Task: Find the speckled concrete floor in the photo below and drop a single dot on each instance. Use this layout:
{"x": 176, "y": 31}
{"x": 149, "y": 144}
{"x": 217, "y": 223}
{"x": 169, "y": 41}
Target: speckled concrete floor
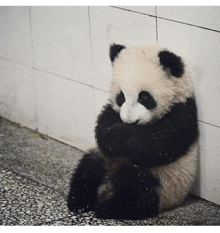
{"x": 34, "y": 181}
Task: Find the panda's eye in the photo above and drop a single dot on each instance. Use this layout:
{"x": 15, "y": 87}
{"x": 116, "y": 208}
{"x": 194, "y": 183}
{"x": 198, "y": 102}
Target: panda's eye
{"x": 147, "y": 100}
{"x": 120, "y": 99}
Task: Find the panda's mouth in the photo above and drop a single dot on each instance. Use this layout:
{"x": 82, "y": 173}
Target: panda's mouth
{"x": 132, "y": 123}
{"x": 136, "y": 122}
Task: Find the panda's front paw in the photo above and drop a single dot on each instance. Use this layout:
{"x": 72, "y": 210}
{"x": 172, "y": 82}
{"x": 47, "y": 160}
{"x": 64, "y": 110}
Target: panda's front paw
{"x": 115, "y": 140}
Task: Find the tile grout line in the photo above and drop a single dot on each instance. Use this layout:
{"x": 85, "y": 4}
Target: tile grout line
{"x": 33, "y": 65}
{"x": 57, "y": 75}
{"x": 216, "y": 126}
{"x": 43, "y": 136}
{"x": 172, "y": 20}
{"x": 156, "y": 24}
{"x": 90, "y": 40}
{"x": 141, "y": 13}
{"x": 90, "y": 35}
{"x": 192, "y": 25}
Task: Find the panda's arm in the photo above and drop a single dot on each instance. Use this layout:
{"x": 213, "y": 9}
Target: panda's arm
{"x": 170, "y": 137}
{"x": 111, "y": 133}
{"x": 160, "y": 143}
{"x": 107, "y": 118}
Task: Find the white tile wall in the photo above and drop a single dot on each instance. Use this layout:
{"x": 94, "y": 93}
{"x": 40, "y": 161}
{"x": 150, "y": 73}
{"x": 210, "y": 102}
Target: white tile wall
{"x": 100, "y": 99}
{"x": 204, "y": 16}
{"x": 65, "y": 110}
{"x": 17, "y": 100}
{"x": 61, "y": 41}
{"x": 15, "y": 34}
{"x": 209, "y": 181}
{"x": 110, "y": 25}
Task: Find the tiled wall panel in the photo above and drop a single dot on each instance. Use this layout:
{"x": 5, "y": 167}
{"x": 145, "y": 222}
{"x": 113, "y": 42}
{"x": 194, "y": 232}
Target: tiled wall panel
{"x": 17, "y": 96}
{"x": 65, "y": 110}
{"x": 61, "y": 43}
{"x": 208, "y": 182}
{"x": 111, "y": 25}
{"x": 15, "y": 34}
{"x": 100, "y": 99}
{"x": 203, "y": 16}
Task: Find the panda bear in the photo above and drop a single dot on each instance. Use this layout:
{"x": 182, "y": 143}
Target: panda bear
{"x": 147, "y": 139}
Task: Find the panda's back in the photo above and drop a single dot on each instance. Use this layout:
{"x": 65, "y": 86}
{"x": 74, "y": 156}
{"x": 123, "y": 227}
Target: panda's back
{"x": 176, "y": 179}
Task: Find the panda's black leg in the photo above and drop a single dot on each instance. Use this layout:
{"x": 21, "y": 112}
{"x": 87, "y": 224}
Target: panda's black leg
{"x": 84, "y": 183}
{"x": 135, "y": 196}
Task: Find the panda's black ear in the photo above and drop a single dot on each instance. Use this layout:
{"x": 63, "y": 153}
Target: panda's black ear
{"x": 171, "y": 62}
{"x": 115, "y": 49}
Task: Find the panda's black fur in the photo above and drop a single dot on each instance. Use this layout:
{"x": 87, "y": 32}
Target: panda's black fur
{"x": 114, "y": 51}
{"x": 124, "y": 177}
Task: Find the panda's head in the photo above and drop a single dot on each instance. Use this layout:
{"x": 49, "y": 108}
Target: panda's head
{"x": 147, "y": 81}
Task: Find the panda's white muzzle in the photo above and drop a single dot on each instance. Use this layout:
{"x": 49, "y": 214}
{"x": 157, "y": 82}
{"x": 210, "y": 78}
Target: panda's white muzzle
{"x": 134, "y": 112}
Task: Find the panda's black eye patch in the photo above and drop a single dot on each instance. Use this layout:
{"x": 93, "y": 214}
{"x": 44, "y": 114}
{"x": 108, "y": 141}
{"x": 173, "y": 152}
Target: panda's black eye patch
{"x": 147, "y": 100}
{"x": 120, "y": 99}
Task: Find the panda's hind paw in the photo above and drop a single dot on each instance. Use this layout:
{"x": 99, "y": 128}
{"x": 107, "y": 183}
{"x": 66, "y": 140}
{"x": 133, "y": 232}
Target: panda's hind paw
{"x": 105, "y": 210}
{"x": 77, "y": 205}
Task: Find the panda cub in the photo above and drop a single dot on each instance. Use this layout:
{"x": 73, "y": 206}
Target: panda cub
{"x": 147, "y": 137}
